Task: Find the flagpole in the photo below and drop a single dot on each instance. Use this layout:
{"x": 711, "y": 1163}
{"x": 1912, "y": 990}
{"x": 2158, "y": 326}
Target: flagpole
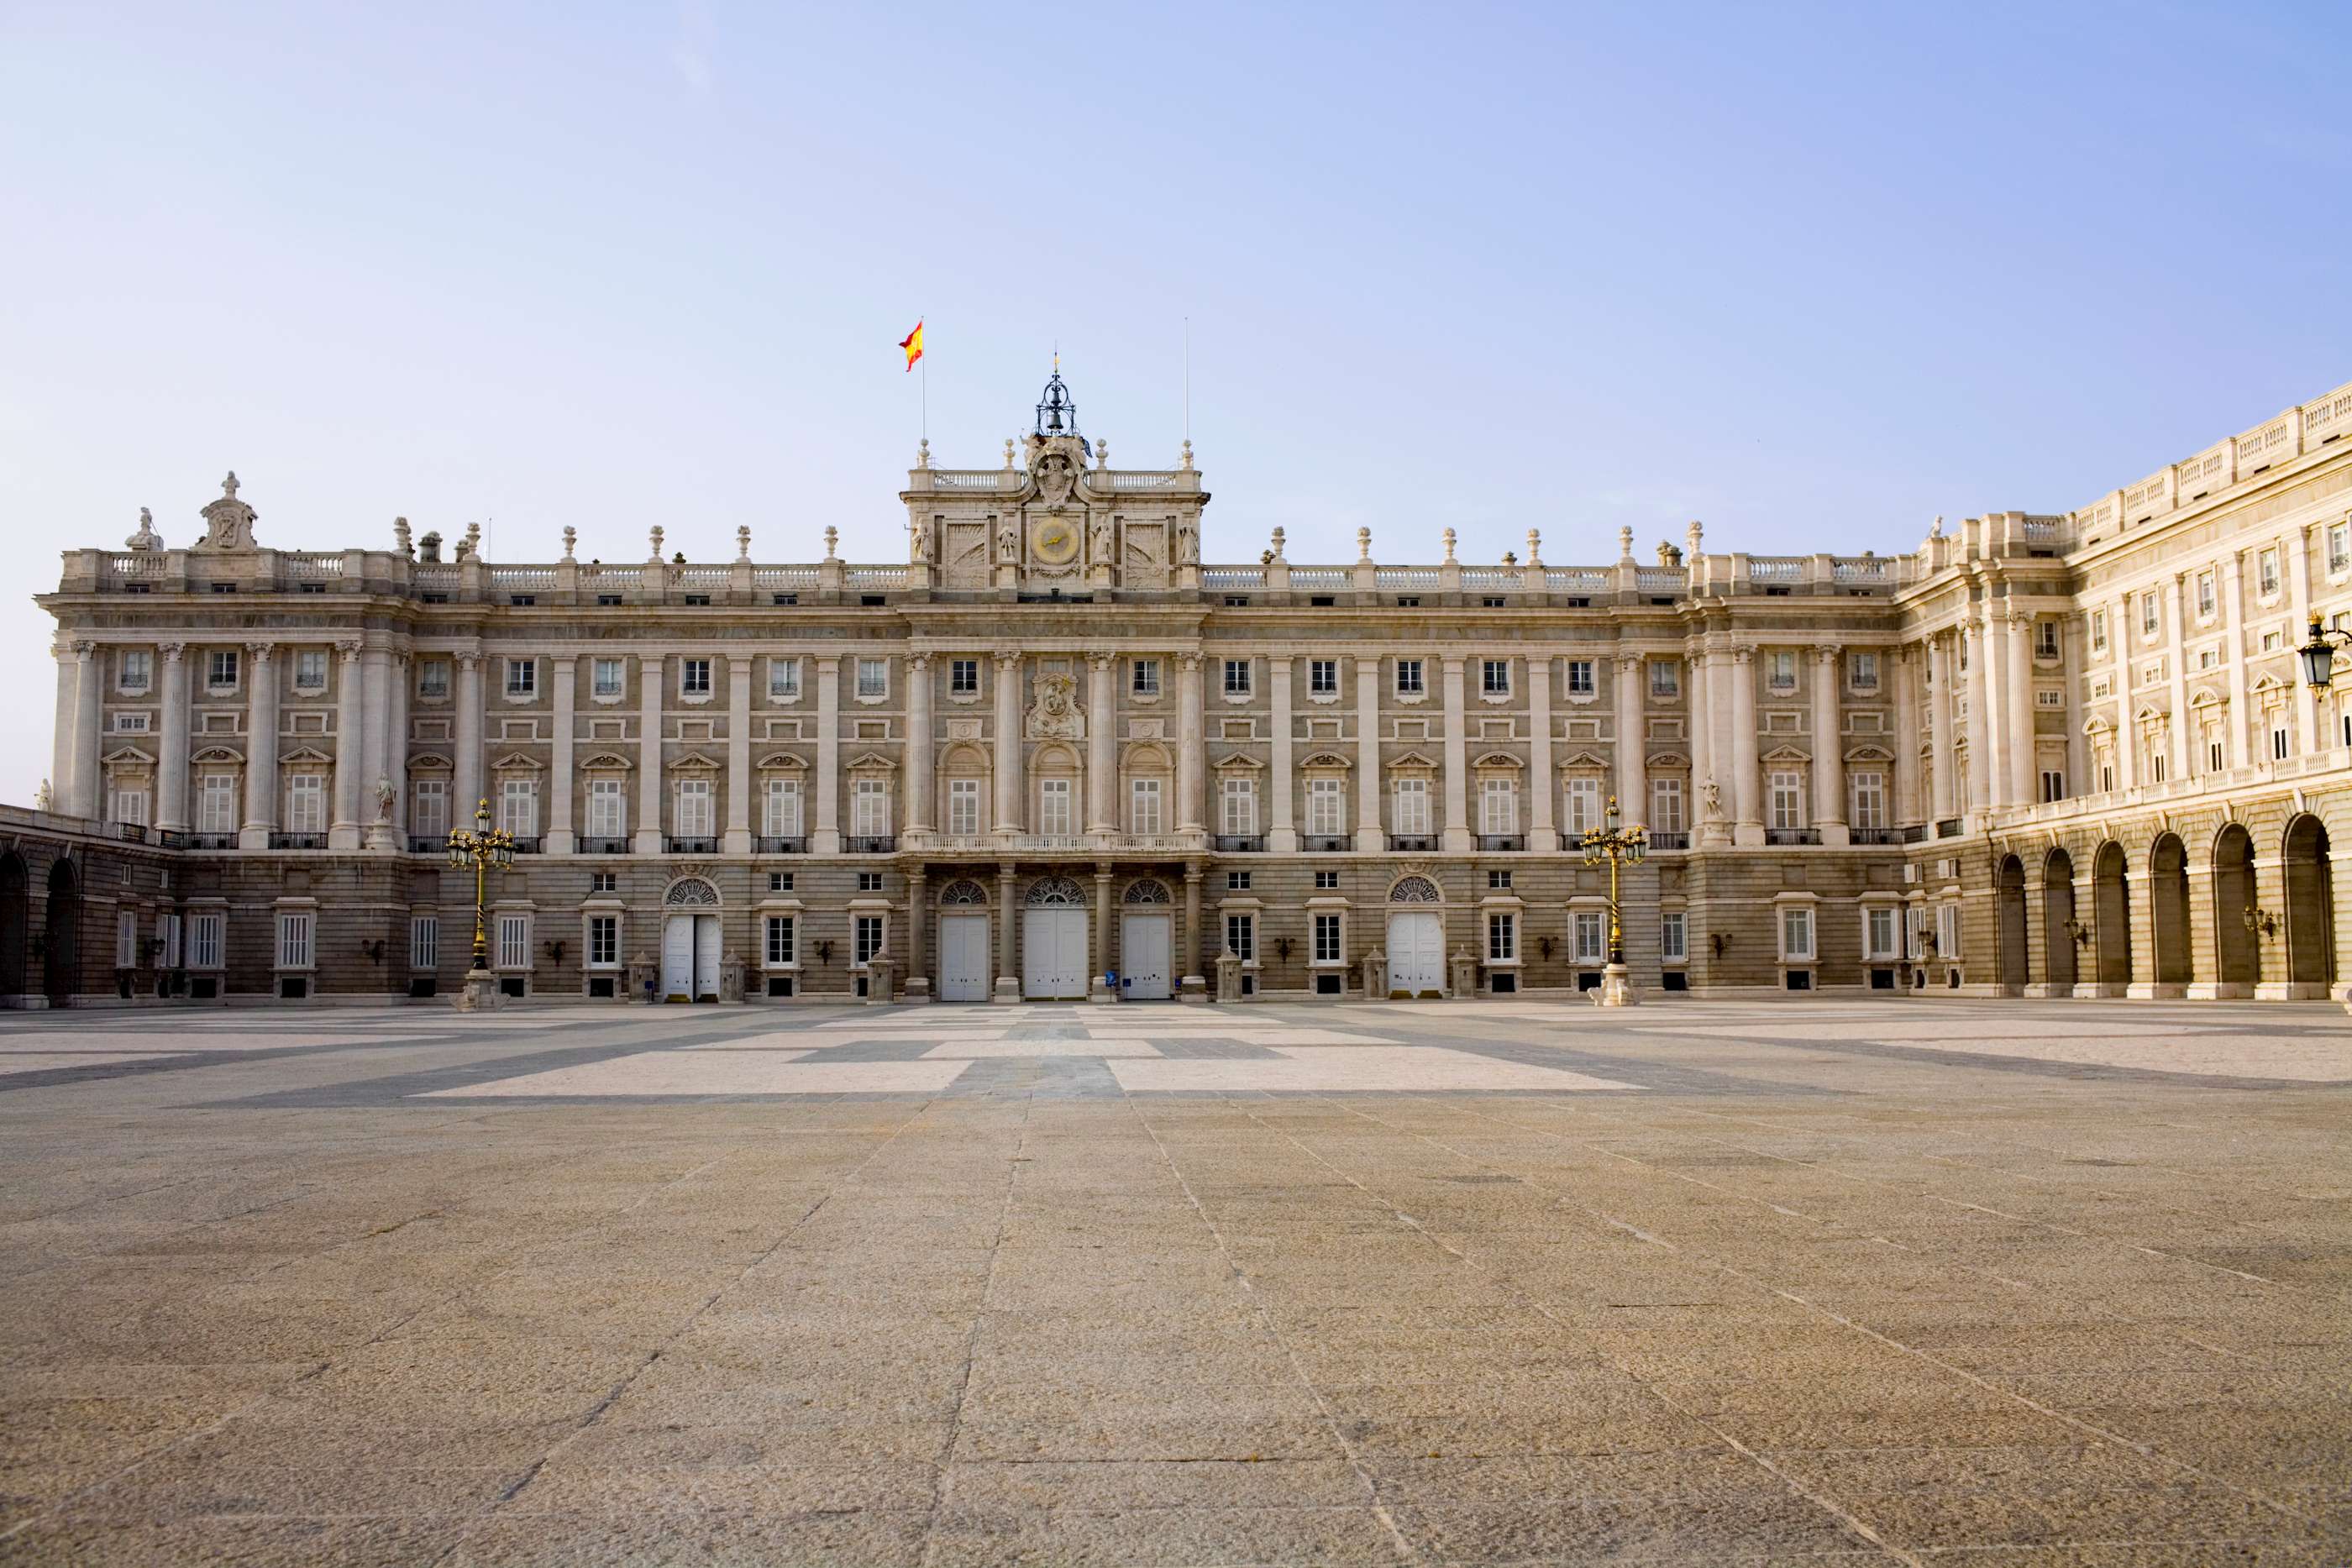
{"x": 926, "y": 387}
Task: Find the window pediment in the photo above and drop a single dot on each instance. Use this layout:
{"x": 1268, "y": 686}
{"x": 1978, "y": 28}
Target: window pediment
{"x": 693, "y": 762}
{"x": 1499, "y": 760}
{"x": 517, "y": 762}
{"x": 222, "y": 756}
{"x": 1591, "y": 760}
{"x": 1234, "y": 760}
{"x": 872, "y": 762}
{"x": 1786, "y": 754}
{"x": 1412, "y": 760}
{"x": 304, "y": 753}
{"x": 606, "y": 762}
{"x": 127, "y": 757}
{"x": 783, "y": 761}
{"x": 422, "y": 762}
{"x": 1669, "y": 759}
{"x": 1325, "y": 762}
{"x": 1870, "y": 754}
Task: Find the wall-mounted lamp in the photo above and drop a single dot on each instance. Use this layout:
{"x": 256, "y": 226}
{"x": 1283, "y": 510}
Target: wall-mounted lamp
{"x": 2260, "y": 923}
{"x": 1719, "y": 941}
{"x": 373, "y": 951}
{"x": 1543, "y": 946}
{"x": 1282, "y": 948}
{"x": 825, "y": 952}
{"x": 556, "y": 951}
{"x": 2078, "y": 933}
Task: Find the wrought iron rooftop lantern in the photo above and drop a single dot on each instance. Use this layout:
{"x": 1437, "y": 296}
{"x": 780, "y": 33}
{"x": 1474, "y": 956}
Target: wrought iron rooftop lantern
{"x": 1057, "y": 411}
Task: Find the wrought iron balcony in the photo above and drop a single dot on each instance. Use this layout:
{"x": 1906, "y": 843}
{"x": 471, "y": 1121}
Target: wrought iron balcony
{"x": 1413, "y": 844}
{"x": 297, "y": 840}
{"x": 1670, "y": 841}
{"x": 211, "y": 841}
{"x": 1949, "y": 827}
{"x": 604, "y": 846}
{"x": 132, "y": 832}
{"x": 427, "y": 843}
{"x": 1792, "y": 835}
{"x": 1879, "y": 836}
{"x": 1328, "y": 844}
{"x": 677, "y": 846}
{"x": 528, "y": 846}
{"x": 874, "y": 845}
{"x": 1238, "y": 843}
{"x": 1492, "y": 844}
{"x": 774, "y": 845}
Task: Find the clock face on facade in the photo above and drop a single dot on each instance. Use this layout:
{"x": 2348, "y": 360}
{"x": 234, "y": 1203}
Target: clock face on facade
{"x": 1053, "y": 542}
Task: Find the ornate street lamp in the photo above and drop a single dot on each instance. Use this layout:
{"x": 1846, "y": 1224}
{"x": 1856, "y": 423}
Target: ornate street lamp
{"x": 2318, "y": 655}
{"x": 484, "y": 848}
{"x": 1615, "y": 845}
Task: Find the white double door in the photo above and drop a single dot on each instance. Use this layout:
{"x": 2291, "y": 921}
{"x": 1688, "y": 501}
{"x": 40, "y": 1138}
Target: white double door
{"x": 690, "y": 957}
{"x": 1143, "y": 954}
{"x": 963, "y": 959}
{"x": 1416, "y": 952}
{"x": 1054, "y": 954}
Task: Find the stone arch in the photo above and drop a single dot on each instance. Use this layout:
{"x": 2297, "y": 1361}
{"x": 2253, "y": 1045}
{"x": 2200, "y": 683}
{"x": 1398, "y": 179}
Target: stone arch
{"x": 1147, "y": 890}
{"x": 692, "y": 892}
{"x": 2310, "y": 897}
{"x": 2058, "y": 920}
{"x": 963, "y": 890}
{"x": 1414, "y": 888}
{"x": 2237, "y": 952}
{"x": 2111, "y": 916}
{"x": 2168, "y": 890}
{"x": 61, "y": 961}
{"x": 16, "y": 921}
{"x": 1056, "y": 893}
{"x": 2009, "y": 904}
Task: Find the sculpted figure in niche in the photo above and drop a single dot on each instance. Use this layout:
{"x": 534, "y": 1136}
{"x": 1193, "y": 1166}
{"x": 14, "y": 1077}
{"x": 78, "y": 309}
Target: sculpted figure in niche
{"x": 1187, "y": 542}
{"x": 1101, "y": 539}
{"x": 1054, "y": 480}
{"x": 1056, "y": 714}
{"x": 1008, "y": 542}
{"x": 1714, "y": 795}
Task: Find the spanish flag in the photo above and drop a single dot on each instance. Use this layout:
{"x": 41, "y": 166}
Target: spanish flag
{"x": 913, "y": 343}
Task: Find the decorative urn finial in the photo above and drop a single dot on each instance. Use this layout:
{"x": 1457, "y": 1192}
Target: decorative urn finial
{"x": 831, "y": 542}
{"x": 1535, "y": 547}
{"x": 400, "y": 540}
{"x": 655, "y": 535}
{"x": 1449, "y": 544}
{"x": 1363, "y": 544}
{"x": 742, "y": 541}
{"x": 571, "y": 537}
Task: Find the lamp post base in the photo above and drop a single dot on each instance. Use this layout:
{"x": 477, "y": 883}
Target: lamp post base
{"x": 1616, "y": 989}
{"x": 479, "y": 993}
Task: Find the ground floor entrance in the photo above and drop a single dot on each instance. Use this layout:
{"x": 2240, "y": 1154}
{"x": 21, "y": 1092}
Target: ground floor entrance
{"x": 690, "y": 958}
{"x": 1054, "y": 954}
{"x": 963, "y": 959}
{"x": 1416, "y": 953}
{"x": 1143, "y": 954}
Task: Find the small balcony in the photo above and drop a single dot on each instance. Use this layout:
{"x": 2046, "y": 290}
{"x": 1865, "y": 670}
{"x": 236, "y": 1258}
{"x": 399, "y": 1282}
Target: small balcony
{"x": 1792, "y": 835}
{"x": 1413, "y": 844}
{"x": 775, "y": 845}
{"x": 527, "y": 846}
{"x": 427, "y": 843}
{"x": 1949, "y": 827}
{"x": 603, "y": 846}
{"x": 1662, "y": 841}
{"x": 1878, "y": 836}
{"x": 131, "y": 833}
{"x": 874, "y": 845}
{"x": 1326, "y": 843}
{"x": 677, "y": 846}
{"x": 297, "y": 840}
{"x": 1501, "y": 843}
{"x": 211, "y": 841}
{"x": 1238, "y": 843}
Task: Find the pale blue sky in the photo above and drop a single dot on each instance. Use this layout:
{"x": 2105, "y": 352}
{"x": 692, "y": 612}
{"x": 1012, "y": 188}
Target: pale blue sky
{"x": 1814, "y": 276}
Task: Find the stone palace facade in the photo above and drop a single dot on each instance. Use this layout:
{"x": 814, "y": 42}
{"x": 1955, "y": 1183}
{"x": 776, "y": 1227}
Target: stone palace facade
{"x": 2044, "y": 754}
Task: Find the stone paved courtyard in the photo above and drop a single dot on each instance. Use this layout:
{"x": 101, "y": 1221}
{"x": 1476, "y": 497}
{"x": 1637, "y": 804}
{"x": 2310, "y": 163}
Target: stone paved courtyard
{"x": 1929, "y": 1282}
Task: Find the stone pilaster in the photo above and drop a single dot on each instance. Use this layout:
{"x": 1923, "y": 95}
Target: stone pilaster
{"x": 919, "y": 752}
{"x": 172, "y": 759}
{"x": 1747, "y": 783}
{"x": 1102, "y": 743}
{"x": 1457, "y": 838}
{"x": 1191, "y": 746}
{"x": 1369, "y": 782}
{"x": 561, "y": 838}
{"x": 652, "y": 678}
{"x": 826, "y": 837}
{"x": 1901, "y": 668}
{"x": 1828, "y": 755}
{"x": 260, "y": 748}
{"x": 466, "y": 741}
{"x": 1009, "y": 815}
{"x": 375, "y": 744}
{"x": 1281, "y": 824}
{"x": 738, "y": 840}
{"x": 1632, "y": 760}
{"x": 351, "y": 748}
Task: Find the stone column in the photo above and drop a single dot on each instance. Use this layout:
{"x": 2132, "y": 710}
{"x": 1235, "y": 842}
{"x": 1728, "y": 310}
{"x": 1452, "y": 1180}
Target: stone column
{"x": 1829, "y": 751}
{"x": 1695, "y": 729}
{"x": 1191, "y": 745}
{"x": 2119, "y": 634}
{"x": 1948, "y": 801}
{"x": 1632, "y": 757}
{"x": 1748, "y": 782}
{"x": 89, "y": 731}
{"x": 1723, "y": 673}
{"x": 2234, "y": 752}
{"x": 1102, "y": 743}
{"x": 465, "y": 733}
{"x": 917, "y": 987}
{"x": 375, "y": 673}
{"x": 1008, "y": 741}
{"x": 61, "y": 743}
{"x": 2176, "y": 651}
{"x": 1977, "y": 794}
{"x": 395, "y": 747}
{"x": 1193, "y": 988}
{"x": 1992, "y": 682}
{"x": 1095, "y": 990}
{"x": 919, "y": 748}
{"x": 1457, "y": 839}
{"x": 1367, "y": 753}
{"x": 738, "y": 840}
{"x": 1008, "y": 979}
{"x": 1543, "y": 785}
{"x": 826, "y": 837}
{"x": 2295, "y": 544}
{"x": 653, "y": 676}
{"x": 561, "y": 838}
{"x": 351, "y": 749}
{"x": 2024, "y": 754}
{"x": 1901, "y": 667}
{"x": 260, "y": 748}
{"x": 1281, "y": 826}
{"x": 2070, "y": 653}
{"x": 172, "y": 759}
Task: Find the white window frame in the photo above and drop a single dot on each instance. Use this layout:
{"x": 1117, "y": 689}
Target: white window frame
{"x": 128, "y": 660}
{"x": 1588, "y": 931}
{"x": 1144, "y": 817}
{"x": 519, "y": 807}
{"x": 696, "y": 811}
{"x": 1326, "y": 935}
{"x": 1796, "y": 927}
{"x": 511, "y": 941}
{"x": 1323, "y": 678}
{"x": 1056, "y": 809}
{"x": 780, "y": 809}
{"x": 1580, "y": 805}
{"x": 1498, "y": 806}
{"x": 1143, "y": 677}
{"x": 1241, "y": 935}
{"x": 1665, "y": 677}
{"x": 221, "y": 670}
{"x": 126, "y": 938}
{"x": 206, "y": 929}
{"x": 1502, "y": 936}
{"x": 694, "y": 679}
{"x": 783, "y": 680}
{"x": 608, "y": 808}
{"x": 872, "y": 678}
{"x": 1238, "y": 678}
{"x": 1674, "y": 937}
{"x": 1583, "y": 678}
{"x": 428, "y": 808}
{"x": 869, "y": 808}
{"x": 216, "y": 804}
{"x": 1409, "y": 807}
{"x": 1785, "y": 788}
{"x": 869, "y": 937}
{"x": 779, "y": 941}
{"x": 306, "y": 802}
{"x": 1667, "y": 806}
{"x": 1867, "y": 789}
{"x": 424, "y": 942}
{"x": 295, "y": 931}
{"x": 1494, "y": 677}
{"x": 309, "y": 669}
{"x": 1411, "y": 678}
{"x": 1237, "y": 810}
{"x": 964, "y": 807}
{"x": 1327, "y": 807}
{"x": 602, "y": 938}
{"x": 1875, "y": 949}
{"x": 522, "y": 679}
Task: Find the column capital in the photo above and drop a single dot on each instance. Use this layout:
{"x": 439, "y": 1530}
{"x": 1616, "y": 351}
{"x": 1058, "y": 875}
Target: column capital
{"x": 1004, "y": 656}
{"x": 1826, "y": 653}
{"x": 261, "y": 651}
{"x": 823, "y": 660}
{"x": 737, "y": 663}
{"x": 1743, "y": 653}
{"x": 171, "y": 651}
{"x": 83, "y": 647}
{"x": 1453, "y": 660}
{"x": 469, "y": 661}
{"x": 1100, "y": 659}
{"x": 350, "y": 649}
{"x": 1189, "y": 660}
{"x": 1624, "y": 660}
{"x": 917, "y": 660}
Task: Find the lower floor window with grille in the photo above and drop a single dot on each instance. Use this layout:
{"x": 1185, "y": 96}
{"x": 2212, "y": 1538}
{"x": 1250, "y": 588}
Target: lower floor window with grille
{"x": 603, "y": 941}
{"x": 126, "y": 938}
{"x": 1326, "y": 939}
{"x": 868, "y": 937}
{"x": 294, "y": 939}
{"x": 1502, "y": 939}
{"x": 1878, "y": 927}
{"x": 1947, "y": 932}
{"x": 1796, "y": 934}
{"x": 424, "y": 941}
{"x": 1591, "y": 927}
{"x": 1674, "y": 942}
{"x": 780, "y": 939}
{"x": 514, "y": 942}
{"x": 1241, "y": 937}
{"x": 167, "y": 939}
{"x": 2053, "y": 780}
{"x": 205, "y": 940}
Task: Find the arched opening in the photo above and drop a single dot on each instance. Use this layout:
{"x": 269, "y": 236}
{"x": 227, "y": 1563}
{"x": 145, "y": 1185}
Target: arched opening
{"x": 2009, "y": 901}
{"x": 2310, "y": 908}
{"x": 2168, "y": 868}
{"x": 61, "y": 962}
{"x": 2058, "y": 921}
{"x": 2111, "y": 918}
{"x": 16, "y": 921}
{"x": 2237, "y": 949}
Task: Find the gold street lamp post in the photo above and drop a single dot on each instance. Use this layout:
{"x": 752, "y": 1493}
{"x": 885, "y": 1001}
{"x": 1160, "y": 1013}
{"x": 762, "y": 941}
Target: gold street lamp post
{"x": 1615, "y": 845}
{"x": 484, "y": 848}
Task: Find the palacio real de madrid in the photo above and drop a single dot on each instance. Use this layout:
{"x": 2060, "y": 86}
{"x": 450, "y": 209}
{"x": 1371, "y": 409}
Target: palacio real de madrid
{"x": 1051, "y": 753}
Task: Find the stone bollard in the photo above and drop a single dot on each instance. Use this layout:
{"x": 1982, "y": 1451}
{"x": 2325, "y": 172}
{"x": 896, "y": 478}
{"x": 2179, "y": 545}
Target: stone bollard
{"x": 880, "y": 971}
{"x": 1376, "y": 974}
{"x": 1466, "y": 973}
{"x": 1229, "y": 976}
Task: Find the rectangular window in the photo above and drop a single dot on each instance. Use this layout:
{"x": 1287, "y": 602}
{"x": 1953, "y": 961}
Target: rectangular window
{"x": 780, "y": 947}
{"x": 604, "y": 677}
{"x": 1797, "y": 933}
{"x": 604, "y": 882}
{"x": 1780, "y": 668}
{"x": 138, "y": 670}
{"x": 220, "y": 669}
{"x": 1241, "y": 937}
{"x": 1499, "y": 882}
{"x": 1581, "y": 680}
{"x": 433, "y": 678}
{"x": 869, "y": 808}
{"x": 513, "y": 941}
{"x": 1878, "y": 931}
{"x": 1323, "y": 678}
{"x": 1237, "y": 677}
{"x": 873, "y": 677}
{"x": 781, "y": 813}
{"x": 964, "y": 677}
{"x": 1665, "y": 678}
{"x": 310, "y": 670}
{"x": 1326, "y": 880}
{"x": 1863, "y": 671}
{"x": 694, "y": 677}
{"x": 1326, "y": 807}
{"x": 306, "y": 803}
{"x": 1327, "y": 939}
{"x": 518, "y": 808}
{"x": 2099, "y": 630}
{"x": 1144, "y": 677}
{"x": 126, "y": 938}
{"x": 2053, "y": 780}
{"x": 1144, "y": 807}
{"x": 1589, "y": 929}
{"x": 1584, "y": 805}
{"x": 1502, "y": 939}
{"x": 205, "y": 939}
{"x": 294, "y": 938}
{"x": 1409, "y": 683}
{"x": 2205, "y": 598}
{"x": 867, "y": 937}
{"x": 167, "y": 934}
{"x": 1494, "y": 677}
{"x": 1947, "y": 932}
{"x": 522, "y": 677}
{"x": 1237, "y": 881}
{"x": 1498, "y": 805}
{"x": 128, "y": 805}
{"x": 2281, "y": 749}
{"x": 216, "y": 804}
{"x": 785, "y": 680}
{"x": 1410, "y": 807}
{"x": 424, "y": 941}
{"x": 1667, "y": 806}
{"x": 1673, "y": 944}
{"x": 694, "y": 814}
{"x": 608, "y": 809}
{"x": 2046, "y": 639}
{"x": 1239, "y": 814}
{"x": 2150, "y": 615}
{"x": 1054, "y": 808}
{"x": 964, "y": 807}
{"x": 2339, "y": 547}
{"x": 2267, "y": 572}
{"x": 1869, "y": 791}
{"x": 603, "y": 941}
{"x": 1788, "y": 801}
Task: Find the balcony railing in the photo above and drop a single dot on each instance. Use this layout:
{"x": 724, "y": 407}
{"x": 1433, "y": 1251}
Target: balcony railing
{"x": 527, "y": 846}
{"x": 677, "y": 846}
{"x": 131, "y": 833}
{"x": 1238, "y": 843}
{"x": 1878, "y": 836}
{"x": 297, "y": 840}
{"x": 1413, "y": 844}
{"x": 1328, "y": 844}
{"x": 1949, "y": 827}
{"x": 780, "y": 846}
{"x": 1498, "y": 843}
{"x": 427, "y": 843}
{"x": 211, "y": 841}
{"x": 1792, "y": 835}
{"x": 874, "y": 845}
{"x": 1915, "y": 833}
{"x": 1670, "y": 841}
{"x": 603, "y": 846}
